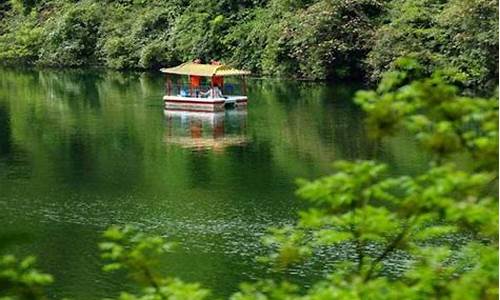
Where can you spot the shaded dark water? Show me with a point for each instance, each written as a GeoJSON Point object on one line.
{"type": "Point", "coordinates": [81, 150]}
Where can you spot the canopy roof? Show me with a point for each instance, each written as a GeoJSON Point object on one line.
{"type": "Point", "coordinates": [191, 68]}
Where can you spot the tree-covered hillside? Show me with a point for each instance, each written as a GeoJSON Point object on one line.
{"type": "Point", "coordinates": [312, 39]}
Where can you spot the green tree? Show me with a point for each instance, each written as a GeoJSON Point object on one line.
{"type": "Point", "coordinates": [310, 39]}
{"type": "Point", "coordinates": [72, 38]}
{"type": "Point", "coordinates": [307, 39]}
{"type": "Point", "coordinates": [137, 253]}
{"type": "Point", "coordinates": [19, 279]}
{"type": "Point", "coordinates": [22, 43]}
{"type": "Point", "coordinates": [444, 121]}
{"type": "Point", "coordinates": [458, 36]}
{"type": "Point", "coordinates": [362, 207]}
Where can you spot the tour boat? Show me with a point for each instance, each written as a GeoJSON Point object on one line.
{"type": "Point", "coordinates": [205, 89]}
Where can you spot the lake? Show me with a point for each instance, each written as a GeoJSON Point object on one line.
{"type": "Point", "coordinates": [83, 149]}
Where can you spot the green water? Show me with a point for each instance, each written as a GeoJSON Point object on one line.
{"type": "Point", "coordinates": [81, 150]}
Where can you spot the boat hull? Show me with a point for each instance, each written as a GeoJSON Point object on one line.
{"type": "Point", "coordinates": [203, 104]}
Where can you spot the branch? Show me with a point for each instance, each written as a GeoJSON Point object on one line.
{"type": "Point", "coordinates": [386, 252]}
{"type": "Point", "coordinates": [150, 277]}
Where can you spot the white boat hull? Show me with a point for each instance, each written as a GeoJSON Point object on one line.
{"type": "Point", "coordinates": [203, 104]}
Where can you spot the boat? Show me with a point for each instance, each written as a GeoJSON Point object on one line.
{"type": "Point", "coordinates": [206, 87]}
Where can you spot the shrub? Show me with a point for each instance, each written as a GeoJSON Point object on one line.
{"type": "Point", "coordinates": [460, 37]}
{"type": "Point", "coordinates": [72, 38]}
{"type": "Point", "coordinates": [22, 42]}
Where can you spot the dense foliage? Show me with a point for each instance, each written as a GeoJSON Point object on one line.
{"type": "Point", "coordinates": [459, 37]}
{"type": "Point", "coordinates": [313, 39]}
{"type": "Point", "coordinates": [377, 215]}
{"type": "Point", "coordinates": [127, 248]}
{"type": "Point", "coordinates": [19, 279]}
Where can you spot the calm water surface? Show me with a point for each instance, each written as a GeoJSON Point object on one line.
{"type": "Point", "coordinates": [81, 150]}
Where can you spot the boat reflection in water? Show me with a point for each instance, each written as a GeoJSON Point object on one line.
{"type": "Point", "coordinates": [206, 130]}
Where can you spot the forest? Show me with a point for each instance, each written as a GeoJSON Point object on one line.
{"type": "Point", "coordinates": [305, 39]}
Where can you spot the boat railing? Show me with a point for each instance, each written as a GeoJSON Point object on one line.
{"type": "Point", "coordinates": [186, 90]}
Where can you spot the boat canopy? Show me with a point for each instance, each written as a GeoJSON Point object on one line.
{"type": "Point", "coordinates": [191, 68]}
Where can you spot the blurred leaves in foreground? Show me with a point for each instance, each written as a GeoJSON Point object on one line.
{"type": "Point", "coordinates": [19, 279]}
{"type": "Point", "coordinates": [362, 206]}
{"type": "Point", "coordinates": [138, 253]}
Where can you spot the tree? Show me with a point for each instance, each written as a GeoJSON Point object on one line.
{"type": "Point", "coordinates": [19, 279]}
{"type": "Point", "coordinates": [460, 37]}
{"type": "Point", "coordinates": [72, 38]}
{"type": "Point", "coordinates": [137, 253]}
{"type": "Point", "coordinates": [362, 207]}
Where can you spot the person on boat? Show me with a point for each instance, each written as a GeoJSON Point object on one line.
{"type": "Point", "coordinates": [214, 92]}
{"type": "Point", "coordinates": [195, 82]}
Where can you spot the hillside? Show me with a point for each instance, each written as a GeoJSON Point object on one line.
{"type": "Point", "coordinates": [309, 39]}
